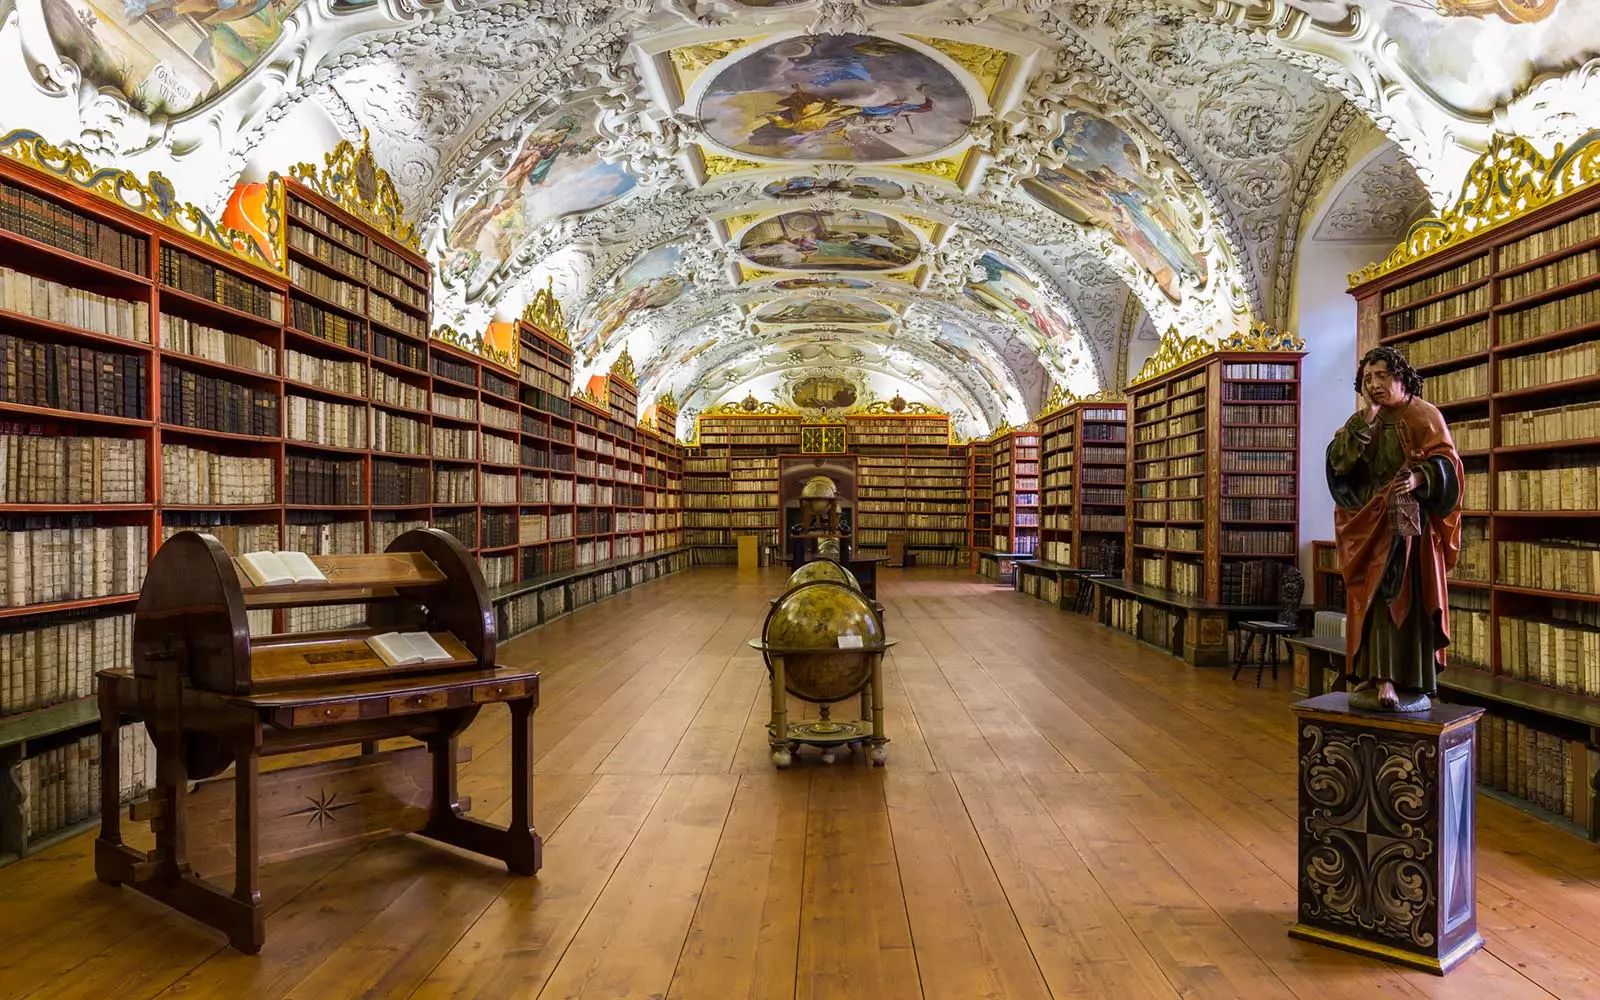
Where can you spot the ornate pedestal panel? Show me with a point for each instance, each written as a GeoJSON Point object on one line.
{"type": "Point", "coordinates": [1386, 832]}
{"type": "Point", "coordinates": [1205, 639]}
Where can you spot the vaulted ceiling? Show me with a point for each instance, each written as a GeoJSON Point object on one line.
{"type": "Point", "coordinates": [964, 201]}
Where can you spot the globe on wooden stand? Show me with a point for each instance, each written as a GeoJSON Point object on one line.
{"type": "Point", "coordinates": [823, 643]}
{"type": "Point", "coordinates": [822, 569]}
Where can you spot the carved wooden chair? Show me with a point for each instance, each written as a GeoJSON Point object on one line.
{"type": "Point", "coordinates": [1291, 589]}
{"type": "Point", "coordinates": [1108, 562]}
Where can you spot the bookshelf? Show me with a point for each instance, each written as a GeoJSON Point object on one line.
{"type": "Point", "coordinates": [980, 473]}
{"type": "Point", "coordinates": [1327, 582]}
{"type": "Point", "coordinates": [1083, 496]}
{"type": "Point", "coordinates": [731, 481]}
{"type": "Point", "coordinates": [1502, 320]}
{"type": "Point", "coordinates": [1016, 492]}
{"type": "Point", "coordinates": [913, 484]}
{"type": "Point", "coordinates": [1213, 478]}
{"type": "Point", "coordinates": [306, 409]}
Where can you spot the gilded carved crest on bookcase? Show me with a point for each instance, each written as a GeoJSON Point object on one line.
{"type": "Point", "coordinates": [622, 368]}
{"type": "Point", "coordinates": [1059, 399]}
{"type": "Point", "coordinates": [545, 314]}
{"type": "Point", "coordinates": [1173, 352]}
{"type": "Point", "coordinates": [1508, 181]}
{"type": "Point", "coordinates": [155, 198]}
{"type": "Point", "coordinates": [898, 407]}
{"type": "Point", "coordinates": [749, 406]}
{"type": "Point", "coordinates": [352, 179]}
{"type": "Point", "coordinates": [667, 401]}
{"type": "Point", "coordinates": [1106, 396]}
{"type": "Point", "coordinates": [1261, 337]}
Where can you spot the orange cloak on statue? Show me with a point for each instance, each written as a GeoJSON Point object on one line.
{"type": "Point", "coordinates": [1363, 537]}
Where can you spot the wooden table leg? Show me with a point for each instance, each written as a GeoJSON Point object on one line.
{"type": "Point", "coordinates": [247, 846]}
{"type": "Point", "coordinates": [782, 747]}
{"type": "Point", "coordinates": [524, 842]}
{"type": "Point", "coordinates": [110, 864]}
{"type": "Point", "coordinates": [518, 846]}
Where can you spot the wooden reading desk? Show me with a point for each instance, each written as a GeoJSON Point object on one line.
{"type": "Point", "coordinates": [1190, 628]}
{"type": "Point", "coordinates": [212, 695]}
{"type": "Point", "coordinates": [1078, 596]}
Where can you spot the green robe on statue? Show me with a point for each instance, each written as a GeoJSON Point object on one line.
{"type": "Point", "coordinates": [1363, 459]}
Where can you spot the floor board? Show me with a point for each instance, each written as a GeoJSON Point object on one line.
{"type": "Point", "coordinates": [1066, 813]}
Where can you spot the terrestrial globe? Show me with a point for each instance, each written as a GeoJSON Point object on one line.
{"type": "Point", "coordinates": [804, 627]}
{"type": "Point", "coordinates": [822, 569]}
{"type": "Point", "coordinates": [817, 496]}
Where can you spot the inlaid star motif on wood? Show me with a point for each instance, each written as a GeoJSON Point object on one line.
{"type": "Point", "coordinates": [322, 808]}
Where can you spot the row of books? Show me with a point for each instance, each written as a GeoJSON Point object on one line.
{"type": "Point", "coordinates": [1568, 565]}
{"type": "Point", "coordinates": [324, 482]}
{"type": "Point", "coordinates": [499, 488]}
{"type": "Point", "coordinates": [1239, 541]}
{"type": "Point", "coordinates": [1571, 422]}
{"type": "Point", "coordinates": [61, 786]}
{"type": "Point", "coordinates": [1473, 338]}
{"type": "Point", "coordinates": [1475, 490]}
{"type": "Point", "coordinates": [1260, 510]}
{"type": "Point", "coordinates": [321, 421]}
{"type": "Point", "coordinates": [49, 663]}
{"type": "Point", "coordinates": [1439, 311]}
{"type": "Point", "coordinates": [1574, 484]}
{"type": "Point", "coordinates": [1462, 383]}
{"type": "Point", "coordinates": [1256, 392]}
{"type": "Point", "coordinates": [1470, 435]}
{"type": "Point", "coordinates": [1558, 364]}
{"type": "Point", "coordinates": [195, 476]}
{"type": "Point", "coordinates": [1475, 269]}
{"type": "Point", "coordinates": [397, 484]}
{"type": "Point", "coordinates": [52, 223]}
{"type": "Point", "coordinates": [43, 563]}
{"type": "Point", "coordinates": [303, 212]}
{"type": "Point", "coordinates": [44, 299]}
{"type": "Point", "coordinates": [1557, 654]}
{"type": "Point", "coordinates": [1256, 581]}
{"type": "Point", "coordinates": [185, 336]}
{"type": "Point", "coordinates": [1115, 456]}
{"type": "Point", "coordinates": [1562, 272]}
{"type": "Point", "coordinates": [1260, 437]}
{"type": "Point", "coordinates": [190, 399]}
{"type": "Point", "coordinates": [325, 286]}
{"type": "Point", "coordinates": [1556, 314]}
{"type": "Point", "coordinates": [72, 377]}
{"type": "Point", "coordinates": [1236, 414]}
{"type": "Point", "coordinates": [309, 241]}
{"type": "Point", "coordinates": [381, 310]}
{"type": "Point", "coordinates": [1553, 773]}
{"type": "Point", "coordinates": [38, 468]}
{"type": "Point", "coordinates": [203, 279]}
{"type": "Point", "coordinates": [459, 407]}
{"type": "Point", "coordinates": [455, 486]}
{"type": "Point", "coordinates": [1251, 370]}
{"type": "Point", "coordinates": [1258, 485]}
{"type": "Point", "coordinates": [1552, 240]}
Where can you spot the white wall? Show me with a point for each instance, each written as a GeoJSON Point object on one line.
{"type": "Point", "coordinates": [1327, 321]}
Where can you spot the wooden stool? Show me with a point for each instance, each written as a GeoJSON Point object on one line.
{"type": "Point", "coordinates": [1290, 591]}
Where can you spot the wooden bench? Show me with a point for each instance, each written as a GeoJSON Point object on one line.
{"type": "Point", "coordinates": [1191, 628]}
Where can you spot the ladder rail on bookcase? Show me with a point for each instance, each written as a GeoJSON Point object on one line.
{"type": "Point", "coordinates": [1513, 311]}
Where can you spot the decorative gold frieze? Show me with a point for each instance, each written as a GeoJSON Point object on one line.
{"type": "Point", "coordinates": [622, 368]}
{"type": "Point", "coordinates": [352, 179]}
{"type": "Point", "coordinates": [667, 401]}
{"type": "Point", "coordinates": [749, 406]}
{"type": "Point", "coordinates": [948, 168]}
{"type": "Point", "coordinates": [544, 313]}
{"type": "Point", "coordinates": [154, 198]}
{"type": "Point", "coordinates": [1508, 181]}
{"type": "Point", "coordinates": [1106, 396]}
{"type": "Point", "coordinates": [718, 165]}
{"type": "Point", "coordinates": [897, 407]}
{"type": "Point", "coordinates": [691, 60]}
{"type": "Point", "coordinates": [1174, 352]}
{"type": "Point", "coordinates": [1261, 337]}
{"type": "Point", "coordinates": [1059, 399]}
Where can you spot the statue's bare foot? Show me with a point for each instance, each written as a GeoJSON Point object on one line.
{"type": "Point", "coordinates": [1386, 697]}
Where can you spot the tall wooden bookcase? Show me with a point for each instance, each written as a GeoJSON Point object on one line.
{"type": "Point", "coordinates": [1016, 492]}
{"type": "Point", "coordinates": [1503, 323]}
{"type": "Point", "coordinates": [980, 471]}
{"type": "Point", "coordinates": [1083, 490]}
{"type": "Point", "coordinates": [157, 381]}
{"type": "Point", "coordinates": [1215, 474]}
{"type": "Point", "coordinates": [912, 483]}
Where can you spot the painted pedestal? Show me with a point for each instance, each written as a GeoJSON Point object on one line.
{"type": "Point", "coordinates": [1386, 862]}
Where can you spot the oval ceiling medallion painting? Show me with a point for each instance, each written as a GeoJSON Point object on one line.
{"type": "Point", "coordinates": [855, 187]}
{"type": "Point", "coordinates": [824, 392]}
{"type": "Point", "coordinates": [836, 97]}
{"type": "Point", "coordinates": [800, 284]}
{"type": "Point", "coordinates": [835, 241]}
{"type": "Point", "coordinates": [846, 309]}
{"type": "Point", "coordinates": [1101, 183]}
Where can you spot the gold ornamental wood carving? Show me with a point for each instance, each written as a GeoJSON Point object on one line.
{"type": "Point", "coordinates": [749, 406]}
{"type": "Point", "coordinates": [154, 199]}
{"type": "Point", "coordinates": [622, 368]}
{"type": "Point", "coordinates": [1059, 399]}
{"type": "Point", "coordinates": [667, 401]}
{"type": "Point", "coordinates": [544, 314]}
{"type": "Point", "coordinates": [1261, 337]}
{"type": "Point", "coordinates": [352, 179]}
{"type": "Point", "coordinates": [1508, 181]}
{"type": "Point", "coordinates": [1173, 352]}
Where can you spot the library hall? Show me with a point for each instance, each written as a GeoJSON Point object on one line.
{"type": "Point", "coordinates": [800, 499]}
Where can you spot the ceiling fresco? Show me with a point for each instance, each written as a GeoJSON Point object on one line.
{"type": "Point", "coordinates": [972, 201]}
{"type": "Point", "coordinates": [855, 98]}
{"type": "Point", "coordinates": [836, 240]}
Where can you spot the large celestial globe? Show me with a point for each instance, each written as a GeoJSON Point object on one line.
{"type": "Point", "coordinates": [822, 569]}
{"type": "Point", "coordinates": [805, 626]}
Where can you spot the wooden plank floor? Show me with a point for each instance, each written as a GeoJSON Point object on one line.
{"type": "Point", "coordinates": [1065, 813]}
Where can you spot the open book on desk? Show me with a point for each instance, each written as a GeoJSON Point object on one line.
{"type": "Point", "coordinates": [268, 569]}
{"type": "Point", "coordinates": [399, 649]}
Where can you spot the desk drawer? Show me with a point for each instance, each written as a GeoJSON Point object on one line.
{"type": "Point", "coordinates": [326, 715]}
{"type": "Point", "coordinates": [427, 701]}
{"type": "Point", "coordinates": [500, 691]}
